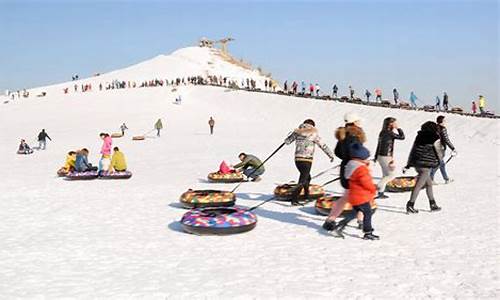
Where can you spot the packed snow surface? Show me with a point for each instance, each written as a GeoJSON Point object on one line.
{"type": "Point", "coordinates": [122, 239]}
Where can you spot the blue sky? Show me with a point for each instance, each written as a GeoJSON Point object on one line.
{"type": "Point", "coordinates": [425, 46]}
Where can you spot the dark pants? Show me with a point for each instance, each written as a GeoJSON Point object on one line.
{"type": "Point", "coordinates": [304, 168]}
{"type": "Point", "coordinates": [366, 209]}
{"type": "Point", "coordinates": [211, 130]}
{"type": "Point", "coordinates": [158, 131]}
{"type": "Point", "coordinates": [379, 98]}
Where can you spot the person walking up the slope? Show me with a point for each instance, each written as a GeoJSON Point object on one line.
{"type": "Point", "coordinates": [413, 100]}
{"type": "Point", "coordinates": [318, 89]}
{"type": "Point", "coordinates": [474, 108]}
{"type": "Point", "coordinates": [384, 154]}
{"type": "Point", "coordinates": [303, 87]}
{"type": "Point", "coordinates": [445, 142]}
{"type": "Point", "coordinates": [351, 92]}
{"type": "Point", "coordinates": [311, 89]}
{"type": "Point", "coordinates": [438, 104]}
{"type": "Point", "coordinates": [158, 127]}
{"type": "Point", "coordinates": [361, 190]}
{"type": "Point", "coordinates": [335, 90]}
{"type": "Point", "coordinates": [482, 105]}
{"type": "Point", "coordinates": [211, 124]}
{"type": "Point", "coordinates": [396, 95]}
{"type": "Point", "coordinates": [251, 166]}
{"type": "Point", "coordinates": [350, 134]}
{"type": "Point", "coordinates": [367, 94]}
{"type": "Point", "coordinates": [424, 156]}
{"type": "Point", "coordinates": [445, 101]}
{"type": "Point", "coordinates": [123, 127]}
{"type": "Point", "coordinates": [42, 139]}
{"type": "Point", "coordinates": [378, 93]}
{"type": "Point", "coordinates": [305, 138]}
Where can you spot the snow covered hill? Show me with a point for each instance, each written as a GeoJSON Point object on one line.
{"type": "Point", "coordinates": [112, 239]}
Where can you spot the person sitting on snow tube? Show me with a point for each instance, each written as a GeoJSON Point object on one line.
{"type": "Point", "coordinates": [69, 165]}
{"type": "Point", "coordinates": [118, 162]}
{"type": "Point", "coordinates": [81, 161]}
{"type": "Point", "coordinates": [24, 148]}
{"type": "Point", "coordinates": [225, 169]}
{"type": "Point", "coordinates": [251, 166]}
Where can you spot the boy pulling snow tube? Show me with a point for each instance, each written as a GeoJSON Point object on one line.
{"type": "Point", "coordinates": [115, 175]}
{"type": "Point", "coordinates": [225, 178]}
{"type": "Point", "coordinates": [284, 192]}
{"type": "Point", "coordinates": [207, 198]}
{"type": "Point", "coordinates": [401, 184]}
{"type": "Point", "coordinates": [88, 175]}
{"type": "Point", "coordinates": [325, 204]}
{"type": "Point", "coordinates": [218, 221]}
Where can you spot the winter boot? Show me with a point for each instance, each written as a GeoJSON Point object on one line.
{"type": "Point", "coordinates": [449, 180]}
{"type": "Point", "coordinates": [410, 209]}
{"type": "Point", "coordinates": [329, 225]}
{"type": "Point", "coordinates": [256, 179]}
{"type": "Point", "coordinates": [433, 205]}
{"type": "Point", "coordinates": [360, 224]}
{"type": "Point", "coordinates": [381, 195]}
{"type": "Point", "coordinates": [371, 236]}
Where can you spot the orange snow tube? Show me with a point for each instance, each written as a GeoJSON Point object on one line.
{"type": "Point", "coordinates": [207, 198]}
{"type": "Point", "coordinates": [284, 192]}
{"type": "Point", "coordinates": [116, 135]}
{"type": "Point", "coordinates": [138, 138]}
{"type": "Point", "coordinates": [225, 178]}
{"type": "Point", "coordinates": [401, 184]}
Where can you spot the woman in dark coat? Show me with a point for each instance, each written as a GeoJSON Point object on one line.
{"type": "Point", "coordinates": [424, 156]}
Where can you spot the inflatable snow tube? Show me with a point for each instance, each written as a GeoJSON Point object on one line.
{"type": "Point", "coordinates": [207, 198]}
{"type": "Point", "coordinates": [25, 152]}
{"type": "Point", "coordinates": [457, 110]}
{"type": "Point", "coordinates": [218, 221]}
{"type": "Point", "coordinates": [401, 184]}
{"type": "Point", "coordinates": [116, 135]}
{"type": "Point", "coordinates": [284, 192]}
{"type": "Point", "coordinates": [62, 172]}
{"type": "Point", "coordinates": [138, 138]}
{"type": "Point", "coordinates": [88, 175]}
{"type": "Point", "coordinates": [325, 204]}
{"type": "Point", "coordinates": [429, 108]}
{"type": "Point", "coordinates": [225, 178]}
{"type": "Point", "coordinates": [115, 175]}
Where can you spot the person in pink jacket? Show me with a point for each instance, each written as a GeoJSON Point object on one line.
{"type": "Point", "coordinates": [105, 160]}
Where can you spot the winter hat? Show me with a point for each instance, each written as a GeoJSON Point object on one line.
{"type": "Point", "coordinates": [351, 118]}
{"type": "Point", "coordinates": [359, 151]}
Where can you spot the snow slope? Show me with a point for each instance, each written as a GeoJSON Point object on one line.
{"type": "Point", "coordinates": [122, 239]}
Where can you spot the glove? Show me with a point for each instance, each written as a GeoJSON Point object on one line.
{"type": "Point", "coordinates": [331, 159]}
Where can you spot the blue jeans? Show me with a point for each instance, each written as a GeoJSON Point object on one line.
{"type": "Point", "coordinates": [252, 173]}
{"type": "Point", "coordinates": [442, 168]}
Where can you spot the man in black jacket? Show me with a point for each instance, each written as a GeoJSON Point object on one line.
{"type": "Point", "coordinates": [42, 139]}
{"type": "Point", "coordinates": [445, 142]}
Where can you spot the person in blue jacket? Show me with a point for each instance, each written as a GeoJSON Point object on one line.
{"type": "Point", "coordinates": [81, 162]}
{"type": "Point", "coordinates": [413, 99]}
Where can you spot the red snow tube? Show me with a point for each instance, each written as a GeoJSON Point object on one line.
{"type": "Point", "coordinates": [218, 221]}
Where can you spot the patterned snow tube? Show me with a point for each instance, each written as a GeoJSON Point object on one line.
{"type": "Point", "coordinates": [457, 110]}
{"type": "Point", "coordinates": [138, 138]}
{"type": "Point", "coordinates": [82, 175]}
{"type": "Point", "coordinates": [401, 184]}
{"type": "Point", "coordinates": [324, 205]}
{"type": "Point", "coordinates": [284, 192]}
{"type": "Point", "coordinates": [116, 175]}
{"type": "Point", "coordinates": [207, 198]}
{"type": "Point", "coordinates": [62, 172]}
{"type": "Point", "coordinates": [116, 135]}
{"type": "Point", "coordinates": [225, 178]}
{"type": "Point", "coordinates": [218, 221]}
{"type": "Point", "coordinates": [429, 108]}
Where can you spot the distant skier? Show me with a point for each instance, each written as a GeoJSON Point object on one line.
{"type": "Point", "coordinates": [42, 139]}
{"type": "Point", "coordinates": [396, 95]}
{"type": "Point", "coordinates": [305, 138]}
{"type": "Point", "coordinates": [123, 127]}
{"type": "Point", "coordinates": [211, 123]}
{"type": "Point", "coordinates": [158, 127]}
{"type": "Point", "coordinates": [438, 104]}
{"type": "Point", "coordinates": [423, 157]}
{"type": "Point", "coordinates": [251, 166]}
{"type": "Point", "coordinates": [335, 90]}
{"type": "Point", "coordinates": [378, 94]}
{"type": "Point", "coordinates": [445, 142]}
{"type": "Point", "coordinates": [413, 100]}
{"type": "Point", "coordinates": [445, 101]}
{"type": "Point", "coordinates": [367, 94]}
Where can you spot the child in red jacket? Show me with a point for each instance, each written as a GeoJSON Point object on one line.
{"type": "Point", "coordinates": [361, 190]}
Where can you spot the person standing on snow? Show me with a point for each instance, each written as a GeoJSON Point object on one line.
{"type": "Point", "coordinates": [351, 92]}
{"type": "Point", "coordinates": [317, 89]}
{"type": "Point", "coordinates": [303, 86]}
{"type": "Point", "coordinates": [438, 104]}
{"type": "Point", "coordinates": [158, 127]}
{"type": "Point", "coordinates": [311, 89]}
{"type": "Point", "coordinates": [445, 142]}
{"type": "Point", "coordinates": [445, 101]}
{"type": "Point", "coordinates": [335, 90]}
{"type": "Point", "coordinates": [42, 139]}
{"type": "Point", "coordinates": [413, 100]}
{"type": "Point", "coordinates": [285, 86]}
{"type": "Point", "coordinates": [123, 127]}
{"type": "Point", "coordinates": [396, 95]}
{"type": "Point", "coordinates": [474, 107]}
{"type": "Point", "coordinates": [384, 154]}
{"type": "Point", "coordinates": [105, 160]}
{"type": "Point", "coordinates": [378, 94]}
{"type": "Point", "coordinates": [305, 138]}
{"type": "Point", "coordinates": [351, 133]}
{"type": "Point", "coordinates": [482, 105]}
{"type": "Point", "coordinates": [367, 94]}
{"type": "Point", "coordinates": [211, 123]}
{"type": "Point", "coordinates": [423, 157]}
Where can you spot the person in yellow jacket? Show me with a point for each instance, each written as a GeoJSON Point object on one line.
{"type": "Point", "coordinates": [118, 163]}
{"type": "Point", "coordinates": [482, 104]}
{"type": "Point", "coordinates": [69, 165]}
